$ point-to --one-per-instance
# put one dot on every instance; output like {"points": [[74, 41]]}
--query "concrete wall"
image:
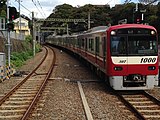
{"points": [[16, 45]]}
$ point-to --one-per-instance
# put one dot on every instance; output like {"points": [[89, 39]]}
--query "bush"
{"points": [[28, 39], [17, 59]]}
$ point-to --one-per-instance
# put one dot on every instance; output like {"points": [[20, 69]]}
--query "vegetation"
{"points": [[102, 15], [18, 59]]}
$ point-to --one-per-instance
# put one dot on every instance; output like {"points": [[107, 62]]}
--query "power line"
{"points": [[127, 1], [37, 8], [109, 1], [17, 6], [41, 7], [23, 6]]}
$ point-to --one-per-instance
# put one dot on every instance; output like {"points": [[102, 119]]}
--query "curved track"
{"points": [[20, 101]]}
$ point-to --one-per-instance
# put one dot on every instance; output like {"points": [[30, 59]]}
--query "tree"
{"points": [[103, 14], [3, 13], [158, 18], [2, 7]]}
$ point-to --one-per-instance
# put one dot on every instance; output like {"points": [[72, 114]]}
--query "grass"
{"points": [[18, 59]]}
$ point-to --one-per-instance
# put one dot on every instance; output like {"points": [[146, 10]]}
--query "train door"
{"points": [[97, 47], [104, 50]]}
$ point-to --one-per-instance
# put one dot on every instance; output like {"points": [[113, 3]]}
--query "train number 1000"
{"points": [[148, 60]]}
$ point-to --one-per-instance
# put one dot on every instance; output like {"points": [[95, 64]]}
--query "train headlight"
{"points": [[151, 68], [113, 32], [152, 32], [118, 68]]}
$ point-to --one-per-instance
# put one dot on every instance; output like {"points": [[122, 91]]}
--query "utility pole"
{"points": [[89, 20], [20, 19], [67, 29], [39, 35], [8, 36], [136, 7], [33, 33]]}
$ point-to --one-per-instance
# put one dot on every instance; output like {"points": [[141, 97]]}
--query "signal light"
{"points": [[12, 17], [138, 17], [10, 26], [138, 21]]}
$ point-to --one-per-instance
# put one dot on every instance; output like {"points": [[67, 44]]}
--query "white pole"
{"points": [[136, 6], [20, 20], [34, 34], [8, 35], [142, 16], [89, 22], [67, 29]]}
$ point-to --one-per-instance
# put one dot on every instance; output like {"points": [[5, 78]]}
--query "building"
{"points": [[21, 26]]}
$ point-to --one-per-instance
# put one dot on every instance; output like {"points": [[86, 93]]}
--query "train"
{"points": [[126, 54]]}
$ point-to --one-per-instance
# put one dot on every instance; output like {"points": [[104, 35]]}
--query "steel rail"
{"points": [[155, 100], [23, 81], [130, 106], [36, 98]]}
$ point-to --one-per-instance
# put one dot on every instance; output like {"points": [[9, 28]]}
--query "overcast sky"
{"points": [[43, 8]]}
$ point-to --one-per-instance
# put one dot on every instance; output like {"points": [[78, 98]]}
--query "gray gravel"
{"points": [[64, 102]]}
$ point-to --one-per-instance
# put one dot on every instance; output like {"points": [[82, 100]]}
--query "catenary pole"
{"points": [[89, 21], [8, 35], [33, 33], [20, 33]]}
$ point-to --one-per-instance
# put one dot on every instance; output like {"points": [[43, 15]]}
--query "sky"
{"points": [[43, 8]]}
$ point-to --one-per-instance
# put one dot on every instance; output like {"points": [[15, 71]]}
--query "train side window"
{"points": [[75, 42], [82, 44], [89, 46], [78, 43], [86, 43], [92, 44]]}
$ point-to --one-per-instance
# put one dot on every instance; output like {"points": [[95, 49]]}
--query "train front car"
{"points": [[132, 57]]}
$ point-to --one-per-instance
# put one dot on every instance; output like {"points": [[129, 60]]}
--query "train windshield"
{"points": [[133, 45]]}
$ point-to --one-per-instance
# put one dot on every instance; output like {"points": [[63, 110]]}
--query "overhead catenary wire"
{"points": [[21, 10], [44, 15], [109, 1], [23, 6], [37, 8], [127, 1], [41, 7]]}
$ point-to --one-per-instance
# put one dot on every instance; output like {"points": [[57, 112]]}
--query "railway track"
{"points": [[21, 100], [142, 104]]}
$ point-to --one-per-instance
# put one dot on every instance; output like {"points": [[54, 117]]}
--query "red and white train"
{"points": [[126, 54]]}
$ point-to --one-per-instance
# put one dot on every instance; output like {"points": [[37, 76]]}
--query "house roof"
{"points": [[22, 19]]}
